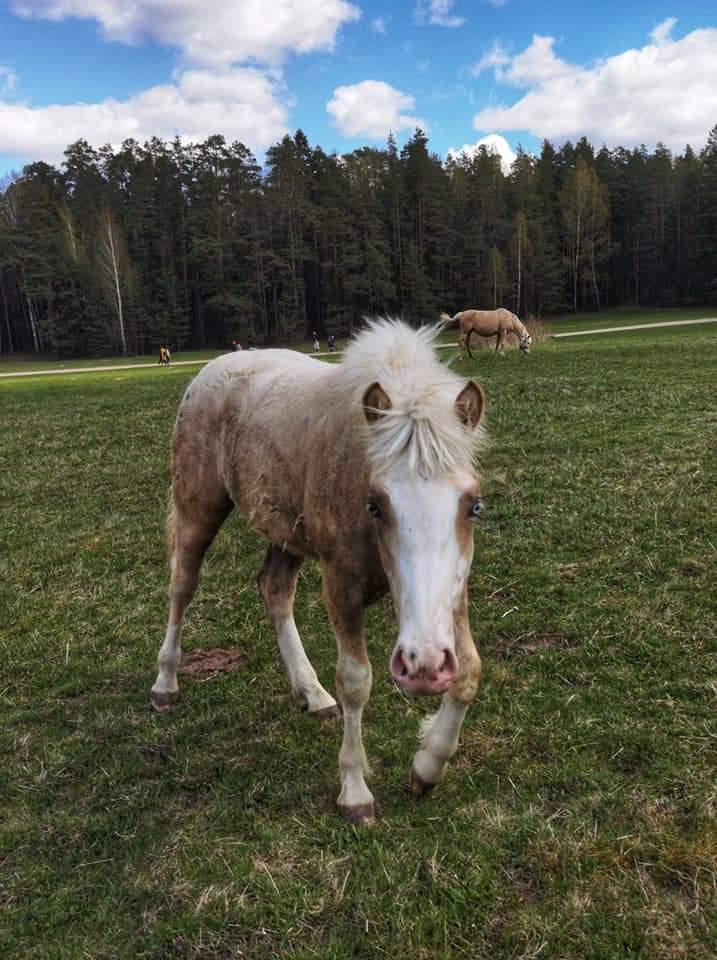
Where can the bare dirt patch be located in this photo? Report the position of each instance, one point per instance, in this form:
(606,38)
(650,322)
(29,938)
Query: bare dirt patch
(208,663)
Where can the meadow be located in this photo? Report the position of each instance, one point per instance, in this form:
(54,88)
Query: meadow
(578,818)
(616,318)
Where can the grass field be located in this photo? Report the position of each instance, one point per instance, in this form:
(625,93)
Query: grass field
(606,318)
(578,819)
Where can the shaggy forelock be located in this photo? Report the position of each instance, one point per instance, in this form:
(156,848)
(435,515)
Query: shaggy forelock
(421,431)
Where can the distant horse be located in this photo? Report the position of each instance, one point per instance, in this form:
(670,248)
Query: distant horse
(367,466)
(488,323)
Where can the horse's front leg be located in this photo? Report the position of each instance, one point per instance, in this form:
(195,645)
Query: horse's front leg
(439,733)
(353,686)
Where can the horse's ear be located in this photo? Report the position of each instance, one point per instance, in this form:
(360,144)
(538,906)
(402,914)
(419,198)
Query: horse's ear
(375,401)
(470,404)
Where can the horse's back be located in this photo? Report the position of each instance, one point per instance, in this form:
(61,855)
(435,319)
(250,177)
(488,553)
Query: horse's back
(249,373)
(219,374)
(488,322)
(242,430)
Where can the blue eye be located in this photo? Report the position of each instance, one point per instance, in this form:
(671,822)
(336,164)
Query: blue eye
(476,508)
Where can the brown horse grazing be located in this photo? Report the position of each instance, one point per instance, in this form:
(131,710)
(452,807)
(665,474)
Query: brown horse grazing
(367,466)
(488,323)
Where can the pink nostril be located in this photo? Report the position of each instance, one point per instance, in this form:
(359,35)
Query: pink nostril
(432,676)
(450,664)
(399,665)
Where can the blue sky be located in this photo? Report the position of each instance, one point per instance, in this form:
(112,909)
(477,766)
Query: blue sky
(347,71)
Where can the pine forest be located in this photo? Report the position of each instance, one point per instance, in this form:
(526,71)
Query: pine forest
(119,250)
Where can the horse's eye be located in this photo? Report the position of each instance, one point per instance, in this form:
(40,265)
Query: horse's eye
(373,509)
(476,508)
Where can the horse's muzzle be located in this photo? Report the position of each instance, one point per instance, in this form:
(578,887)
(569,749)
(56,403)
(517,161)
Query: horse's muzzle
(429,672)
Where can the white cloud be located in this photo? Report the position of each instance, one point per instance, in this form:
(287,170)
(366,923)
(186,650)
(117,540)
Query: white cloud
(371,108)
(662,91)
(661,33)
(243,104)
(495,144)
(438,13)
(8,81)
(237,47)
(494,59)
(210,32)
(379,25)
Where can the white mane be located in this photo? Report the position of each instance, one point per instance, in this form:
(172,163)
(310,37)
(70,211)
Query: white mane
(421,429)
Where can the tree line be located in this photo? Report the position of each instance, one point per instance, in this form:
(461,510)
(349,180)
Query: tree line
(192,245)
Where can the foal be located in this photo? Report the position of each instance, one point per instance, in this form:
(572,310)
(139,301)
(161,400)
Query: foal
(367,466)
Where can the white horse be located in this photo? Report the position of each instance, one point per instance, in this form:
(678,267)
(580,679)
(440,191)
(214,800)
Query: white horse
(367,466)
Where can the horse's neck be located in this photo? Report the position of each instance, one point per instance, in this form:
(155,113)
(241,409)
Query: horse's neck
(518,327)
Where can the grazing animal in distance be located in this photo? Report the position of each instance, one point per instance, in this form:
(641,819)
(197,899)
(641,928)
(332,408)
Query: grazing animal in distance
(488,323)
(367,466)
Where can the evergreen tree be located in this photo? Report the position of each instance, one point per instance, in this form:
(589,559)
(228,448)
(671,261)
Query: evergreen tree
(123,248)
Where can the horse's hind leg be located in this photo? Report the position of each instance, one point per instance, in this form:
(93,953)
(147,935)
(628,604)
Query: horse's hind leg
(277,583)
(461,345)
(190,532)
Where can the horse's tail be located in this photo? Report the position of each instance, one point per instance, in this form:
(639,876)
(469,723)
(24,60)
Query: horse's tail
(448,321)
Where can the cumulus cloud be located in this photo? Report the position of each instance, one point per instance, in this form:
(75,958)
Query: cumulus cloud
(242,103)
(495,144)
(209,32)
(662,91)
(438,13)
(371,108)
(231,51)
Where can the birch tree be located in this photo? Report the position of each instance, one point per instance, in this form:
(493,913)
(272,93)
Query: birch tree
(496,270)
(114,268)
(585,215)
(520,249)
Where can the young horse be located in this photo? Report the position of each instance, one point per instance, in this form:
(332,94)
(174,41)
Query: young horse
(488,323)
(367,466)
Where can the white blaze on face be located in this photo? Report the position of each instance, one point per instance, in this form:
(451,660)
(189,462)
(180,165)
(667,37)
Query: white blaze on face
(426,544)
(423,526)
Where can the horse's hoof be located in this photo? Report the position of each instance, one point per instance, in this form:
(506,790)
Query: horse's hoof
(359,815)
(417,785)
(162,702)
(327,713)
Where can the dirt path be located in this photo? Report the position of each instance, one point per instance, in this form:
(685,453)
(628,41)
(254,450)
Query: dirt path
(440,346)
(119,366)
(633,326)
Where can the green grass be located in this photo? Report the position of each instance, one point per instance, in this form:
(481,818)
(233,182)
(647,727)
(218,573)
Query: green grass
(29,363)
(578,817)
(586,321)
